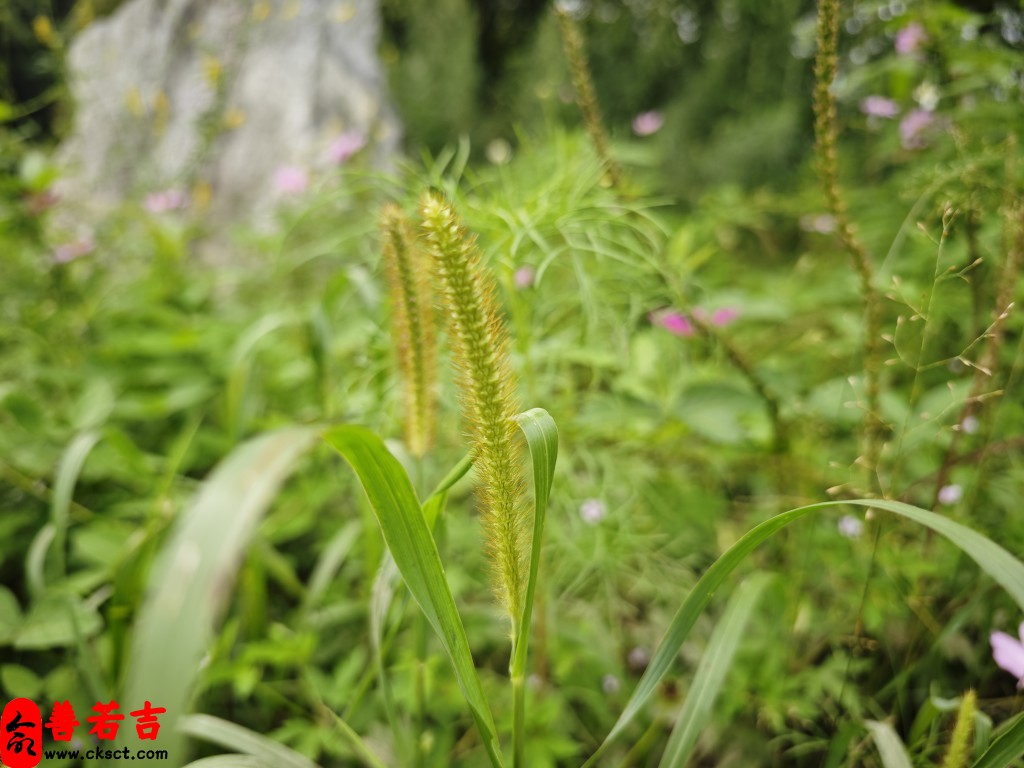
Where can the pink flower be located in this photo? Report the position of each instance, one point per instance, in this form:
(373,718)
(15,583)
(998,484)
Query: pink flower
(724,316)
(346,145)
(675,322)
(879,106)
(523,278)
(1008,653)
(647,123)
(950,494)
(291,180)
(168,200)
(909,38)
(73,249)
(913,128)
(593,511)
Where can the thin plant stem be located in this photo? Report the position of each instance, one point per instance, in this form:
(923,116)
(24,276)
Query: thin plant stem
(826,131)
(987,369)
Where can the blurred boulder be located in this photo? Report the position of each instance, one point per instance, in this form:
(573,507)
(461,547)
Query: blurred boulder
(233,104)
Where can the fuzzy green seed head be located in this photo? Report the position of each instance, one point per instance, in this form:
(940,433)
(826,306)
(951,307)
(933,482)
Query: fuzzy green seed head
(412,327)
(480,347)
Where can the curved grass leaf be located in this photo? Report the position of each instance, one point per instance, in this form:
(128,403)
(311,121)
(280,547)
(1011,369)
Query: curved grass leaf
(192,578)
(234,736)
(710,674)
(63,489)
(1007,571)
(232,761)
(1006,748)
(890,748)
(415,554)
(542,439)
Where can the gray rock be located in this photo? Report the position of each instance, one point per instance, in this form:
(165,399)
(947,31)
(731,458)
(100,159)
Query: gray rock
(238,102)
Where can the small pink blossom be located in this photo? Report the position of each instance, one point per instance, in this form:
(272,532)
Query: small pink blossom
(910,38)
(950,494)
(168,200)
(523,278)
(914,127)
(850,526)
(879,106)
(74,249)
(647,123)
(675,322)
(291,180)
(724,316)
(1008,653)
(346,145)
(593,511)
(610,684)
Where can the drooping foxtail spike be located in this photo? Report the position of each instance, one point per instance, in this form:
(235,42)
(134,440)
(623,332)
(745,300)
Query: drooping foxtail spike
(412,327)
(480,345)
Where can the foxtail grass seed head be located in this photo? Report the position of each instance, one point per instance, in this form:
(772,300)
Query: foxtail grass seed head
(480,349)
(412,327)
(586,98)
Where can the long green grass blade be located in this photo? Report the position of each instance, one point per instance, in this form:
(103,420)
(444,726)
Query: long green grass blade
(1007,571)
(234,736)
(711,672)
(1006,748)
(192,578)
(542,439)
(890,748)
(63,489)
(415,554)
(232,761)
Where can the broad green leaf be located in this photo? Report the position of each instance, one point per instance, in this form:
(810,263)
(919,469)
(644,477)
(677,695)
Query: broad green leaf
(710,675)
(19,681)
(10,615)
(1007,747)
(57,621)
(890,748)
(1007,571)
(234,736)
(415,554)
(192,578)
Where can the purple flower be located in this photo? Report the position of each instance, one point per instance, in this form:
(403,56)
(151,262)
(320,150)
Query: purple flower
(879,106)
(168,200)
(950,494)
(523,278)
(909,38)
(1008,653)
(724,316)
(970,424)
(346,145)
(593,511)
(674,322)
(647,123)
(913,128)
(610,685)
(851,527)
(73,249)
(291,180)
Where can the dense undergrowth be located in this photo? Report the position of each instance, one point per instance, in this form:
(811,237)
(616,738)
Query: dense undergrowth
(706,369)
